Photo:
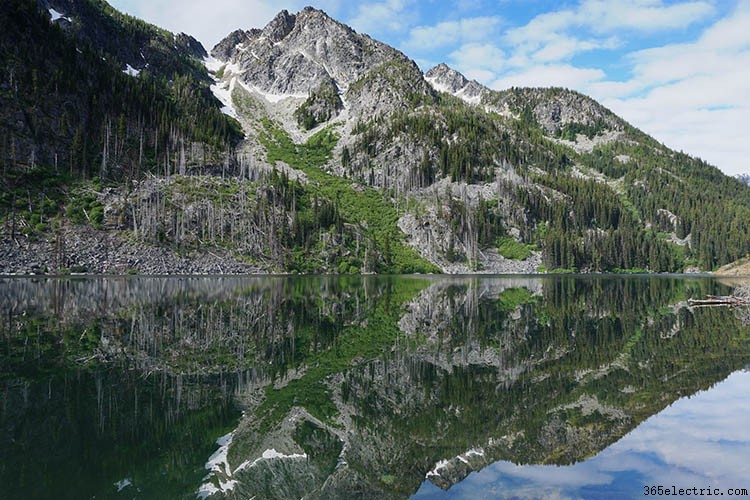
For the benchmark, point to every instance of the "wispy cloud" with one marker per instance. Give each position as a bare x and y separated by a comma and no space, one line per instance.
385,16
607,17
475,57
565,47
692,96
211,21
597,24
452,33
640,15
550,75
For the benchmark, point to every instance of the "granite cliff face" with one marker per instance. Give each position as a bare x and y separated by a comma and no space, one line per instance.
135,45
296,54
480,370
445,79
338,155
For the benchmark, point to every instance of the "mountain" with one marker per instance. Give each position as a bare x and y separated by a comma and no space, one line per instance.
444,79
72,94
428,378
311,56
308,147
132,42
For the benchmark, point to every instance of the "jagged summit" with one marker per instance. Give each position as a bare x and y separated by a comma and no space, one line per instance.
296,53
446,79
280,26
300,54
551,108
137,45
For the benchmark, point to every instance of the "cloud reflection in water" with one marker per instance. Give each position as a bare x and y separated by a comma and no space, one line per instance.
700,441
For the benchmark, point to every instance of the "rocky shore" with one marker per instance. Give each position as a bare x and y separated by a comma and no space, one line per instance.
86,250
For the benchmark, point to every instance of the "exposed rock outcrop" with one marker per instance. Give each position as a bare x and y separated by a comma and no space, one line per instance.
297,54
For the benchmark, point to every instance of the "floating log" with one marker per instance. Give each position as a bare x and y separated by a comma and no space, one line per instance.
720,300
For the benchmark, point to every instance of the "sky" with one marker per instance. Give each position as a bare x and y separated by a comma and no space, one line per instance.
698,441
677,69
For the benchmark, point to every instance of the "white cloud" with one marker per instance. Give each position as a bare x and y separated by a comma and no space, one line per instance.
603,90
452,33
553,75
555,36
543,28
476,56
720,49
481,75
388,15
552,475
210,22
718,135
732,31
692,96
609,16
565,47
640,15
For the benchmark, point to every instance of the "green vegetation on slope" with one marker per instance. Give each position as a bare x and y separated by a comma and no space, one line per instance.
512,249
635,216
363,219
710,207
66,103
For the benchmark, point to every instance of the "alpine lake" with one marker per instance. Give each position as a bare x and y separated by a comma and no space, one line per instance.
371,387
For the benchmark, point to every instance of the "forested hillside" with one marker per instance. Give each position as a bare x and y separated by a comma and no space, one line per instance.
307,147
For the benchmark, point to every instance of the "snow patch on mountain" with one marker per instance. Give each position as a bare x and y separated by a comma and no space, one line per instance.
218,465
445,79
129,70
58,15
223,92
269,455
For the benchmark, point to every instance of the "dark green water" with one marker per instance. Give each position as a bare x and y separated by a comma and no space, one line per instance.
370,387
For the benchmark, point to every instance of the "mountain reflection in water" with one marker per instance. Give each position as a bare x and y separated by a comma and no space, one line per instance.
361,387
702,441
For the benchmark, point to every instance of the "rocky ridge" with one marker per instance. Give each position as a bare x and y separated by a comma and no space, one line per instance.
139,47
296,54
91,251
554,177
445,79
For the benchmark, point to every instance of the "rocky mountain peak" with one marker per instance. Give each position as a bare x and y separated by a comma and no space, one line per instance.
446,79
280,26
295,54
223,50
189,45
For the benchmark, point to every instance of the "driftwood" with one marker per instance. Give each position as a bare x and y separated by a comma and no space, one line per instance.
720,300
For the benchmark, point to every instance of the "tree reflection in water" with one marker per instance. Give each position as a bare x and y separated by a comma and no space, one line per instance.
350,386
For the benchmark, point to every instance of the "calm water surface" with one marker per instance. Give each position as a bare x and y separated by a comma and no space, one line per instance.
370,387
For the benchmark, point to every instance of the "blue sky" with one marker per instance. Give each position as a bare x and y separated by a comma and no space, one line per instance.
679,70
699,441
